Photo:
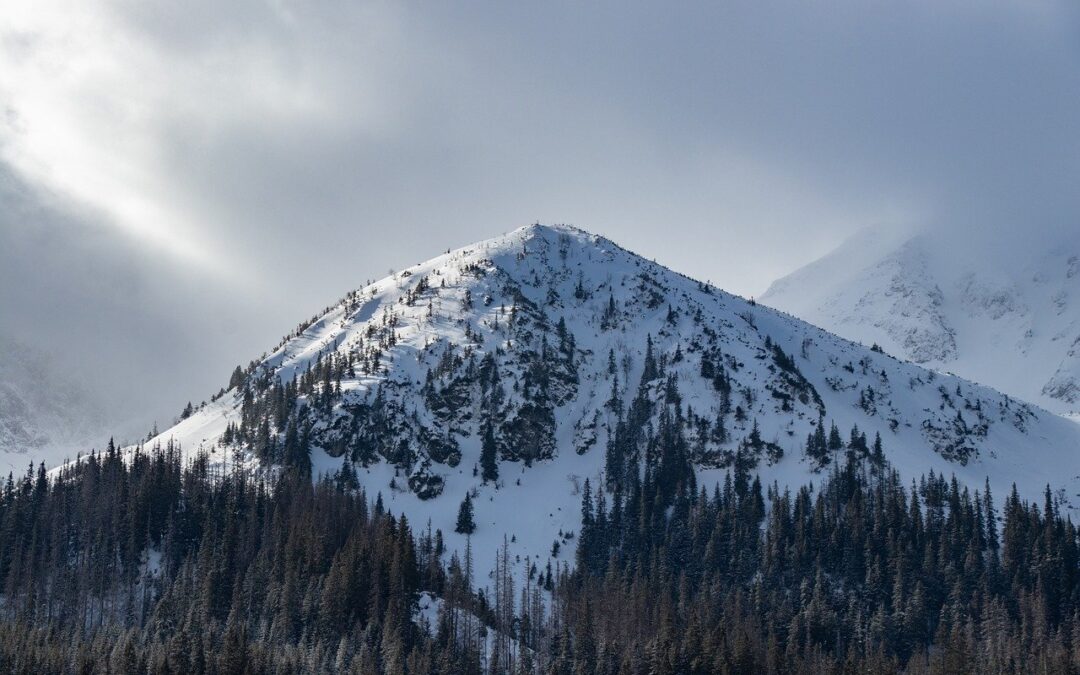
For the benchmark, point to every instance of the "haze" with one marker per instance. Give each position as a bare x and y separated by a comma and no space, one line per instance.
180,185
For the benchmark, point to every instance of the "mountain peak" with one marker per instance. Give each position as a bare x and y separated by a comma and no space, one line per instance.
518,368
547,236
549,232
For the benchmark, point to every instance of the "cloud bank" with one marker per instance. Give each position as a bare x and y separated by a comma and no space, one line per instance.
192,179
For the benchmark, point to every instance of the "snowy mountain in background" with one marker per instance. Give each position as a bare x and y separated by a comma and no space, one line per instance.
44,416
552,356
1009,318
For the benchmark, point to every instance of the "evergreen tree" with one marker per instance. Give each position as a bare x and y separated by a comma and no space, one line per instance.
465,522
236,379
489,463
260,572
649,371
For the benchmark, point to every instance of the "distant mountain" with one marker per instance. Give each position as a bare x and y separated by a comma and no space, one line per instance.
1009,319
516,369
44,415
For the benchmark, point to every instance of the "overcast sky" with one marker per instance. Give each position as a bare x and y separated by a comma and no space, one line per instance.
181,183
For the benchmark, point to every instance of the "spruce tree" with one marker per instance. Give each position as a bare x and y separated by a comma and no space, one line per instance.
489,464
237,378
465,522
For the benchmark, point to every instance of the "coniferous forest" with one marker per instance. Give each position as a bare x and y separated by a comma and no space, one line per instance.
140,564
358,337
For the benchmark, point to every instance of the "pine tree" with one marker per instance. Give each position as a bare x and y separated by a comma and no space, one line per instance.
878,452
585,552
489,463
237,378
465,522
649,371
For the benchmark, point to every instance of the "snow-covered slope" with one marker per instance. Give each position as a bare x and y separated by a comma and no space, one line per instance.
1007,316
539,341
44,416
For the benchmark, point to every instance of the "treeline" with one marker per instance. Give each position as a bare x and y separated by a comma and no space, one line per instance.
141,564
865,575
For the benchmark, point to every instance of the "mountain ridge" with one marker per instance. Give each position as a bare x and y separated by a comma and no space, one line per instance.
1006,318
568,358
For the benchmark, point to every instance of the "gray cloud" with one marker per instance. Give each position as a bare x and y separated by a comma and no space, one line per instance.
136,331
203,177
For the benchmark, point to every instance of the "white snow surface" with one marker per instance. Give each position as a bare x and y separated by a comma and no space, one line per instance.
914,410
1002,314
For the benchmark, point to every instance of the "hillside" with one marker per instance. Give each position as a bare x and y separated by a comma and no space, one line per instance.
44,415
550,356
1003,315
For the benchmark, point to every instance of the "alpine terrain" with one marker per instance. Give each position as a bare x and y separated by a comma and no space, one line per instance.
485,391
1002,315
43,414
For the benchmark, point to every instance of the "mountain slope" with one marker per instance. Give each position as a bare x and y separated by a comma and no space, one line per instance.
568,358
1009,317
44,417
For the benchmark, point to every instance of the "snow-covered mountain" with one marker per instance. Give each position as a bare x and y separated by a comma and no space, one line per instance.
44,416
1006,316
566,358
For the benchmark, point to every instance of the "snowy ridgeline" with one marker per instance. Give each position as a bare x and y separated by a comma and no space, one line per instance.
516,369
1007,318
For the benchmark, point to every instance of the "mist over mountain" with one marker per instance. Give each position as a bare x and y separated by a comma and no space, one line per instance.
1000,310
45,414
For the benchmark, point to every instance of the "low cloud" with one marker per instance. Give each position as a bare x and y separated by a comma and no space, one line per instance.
183,184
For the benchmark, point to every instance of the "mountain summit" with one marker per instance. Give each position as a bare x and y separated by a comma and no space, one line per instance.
525,370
